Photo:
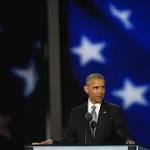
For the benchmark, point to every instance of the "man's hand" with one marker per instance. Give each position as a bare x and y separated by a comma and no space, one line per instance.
49,141
130,142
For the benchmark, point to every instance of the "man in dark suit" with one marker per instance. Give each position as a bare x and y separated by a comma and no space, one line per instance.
107,126
110,127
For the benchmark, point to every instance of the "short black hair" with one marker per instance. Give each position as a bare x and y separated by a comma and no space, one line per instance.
94,76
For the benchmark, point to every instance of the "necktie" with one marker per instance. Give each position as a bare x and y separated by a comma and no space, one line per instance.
93,113
94,119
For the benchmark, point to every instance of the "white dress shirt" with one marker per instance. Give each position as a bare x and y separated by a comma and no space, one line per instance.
90,104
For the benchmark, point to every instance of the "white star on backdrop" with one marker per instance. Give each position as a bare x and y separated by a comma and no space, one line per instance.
131,94
122,15
89,51
29,76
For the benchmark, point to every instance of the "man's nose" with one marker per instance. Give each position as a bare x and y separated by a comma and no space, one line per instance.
100,91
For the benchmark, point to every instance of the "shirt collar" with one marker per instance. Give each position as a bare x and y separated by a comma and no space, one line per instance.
90,104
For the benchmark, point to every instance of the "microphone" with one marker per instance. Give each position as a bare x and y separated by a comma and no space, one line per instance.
88,116
93,126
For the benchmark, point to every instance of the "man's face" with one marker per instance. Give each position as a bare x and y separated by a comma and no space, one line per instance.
95,90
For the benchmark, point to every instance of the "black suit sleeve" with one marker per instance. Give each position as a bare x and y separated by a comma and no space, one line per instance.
70,136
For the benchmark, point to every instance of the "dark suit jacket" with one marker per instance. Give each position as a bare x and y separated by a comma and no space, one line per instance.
110,129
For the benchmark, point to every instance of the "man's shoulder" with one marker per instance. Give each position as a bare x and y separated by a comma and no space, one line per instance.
111,105
80,107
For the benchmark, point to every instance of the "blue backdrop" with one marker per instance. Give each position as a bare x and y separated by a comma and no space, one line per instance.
112,37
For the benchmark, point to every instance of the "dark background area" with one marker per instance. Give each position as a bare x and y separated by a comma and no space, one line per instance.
23,38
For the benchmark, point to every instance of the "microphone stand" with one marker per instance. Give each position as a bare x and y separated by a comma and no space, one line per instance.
93,129
85,137
92,125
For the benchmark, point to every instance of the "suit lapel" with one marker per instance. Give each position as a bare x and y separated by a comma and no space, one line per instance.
101,124
83,112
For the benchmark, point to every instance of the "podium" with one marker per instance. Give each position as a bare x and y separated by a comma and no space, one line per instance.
84,147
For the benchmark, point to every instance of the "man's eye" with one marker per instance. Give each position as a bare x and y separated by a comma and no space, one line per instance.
95,87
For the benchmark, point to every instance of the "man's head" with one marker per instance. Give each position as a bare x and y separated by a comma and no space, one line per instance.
95,87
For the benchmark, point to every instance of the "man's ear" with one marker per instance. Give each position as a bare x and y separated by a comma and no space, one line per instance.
86,89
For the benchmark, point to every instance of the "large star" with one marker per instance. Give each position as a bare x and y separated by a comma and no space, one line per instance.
89,51
122,15
131,94
29,76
